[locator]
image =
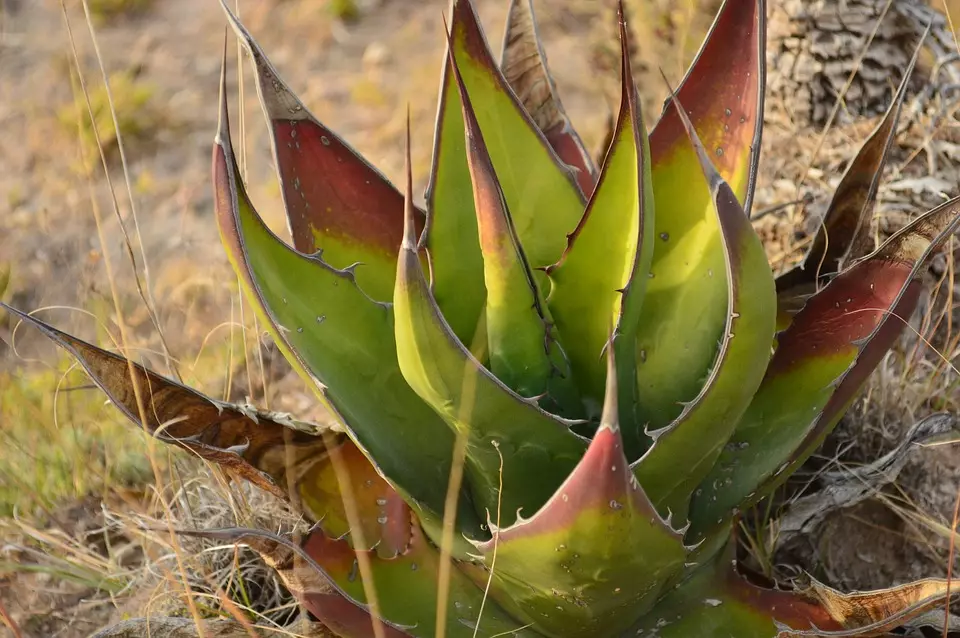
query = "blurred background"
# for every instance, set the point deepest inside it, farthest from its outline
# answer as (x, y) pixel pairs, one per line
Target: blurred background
(81, 490)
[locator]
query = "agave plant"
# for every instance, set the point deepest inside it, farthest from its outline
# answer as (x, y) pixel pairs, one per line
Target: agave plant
(559, 384)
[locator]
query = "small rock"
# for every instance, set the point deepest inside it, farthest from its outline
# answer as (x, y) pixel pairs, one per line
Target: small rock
(375, 55)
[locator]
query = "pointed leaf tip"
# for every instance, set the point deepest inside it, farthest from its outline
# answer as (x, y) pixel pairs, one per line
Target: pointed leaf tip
(335, 200)
(843, 234)
(278, 101)
(270, 450)
(222, 137)
(595, 556)
(628, 85)
(610, 417)
(409, 210)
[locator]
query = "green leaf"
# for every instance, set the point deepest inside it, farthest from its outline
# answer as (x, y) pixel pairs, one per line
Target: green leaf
(524, 66)
(602, 277)
(405, 585)
(339, 340)
(509, 438)
(383, 518)
(269, 449)
(523, 348)
(335, 201)
(684, 451)
(821, 362)
(685, 307)
(717, 603)
(539, 190)
(843, 234)
(597, 555)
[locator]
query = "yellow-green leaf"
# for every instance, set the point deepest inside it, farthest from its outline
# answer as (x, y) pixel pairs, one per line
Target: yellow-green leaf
(539, 190)
(685, 310)
(601, 280)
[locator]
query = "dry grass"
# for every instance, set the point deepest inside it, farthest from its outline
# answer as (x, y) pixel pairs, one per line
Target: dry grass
(61, 444)
(120, 548)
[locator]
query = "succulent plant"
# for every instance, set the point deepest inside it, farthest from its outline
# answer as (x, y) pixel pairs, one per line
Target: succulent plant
(559, 384)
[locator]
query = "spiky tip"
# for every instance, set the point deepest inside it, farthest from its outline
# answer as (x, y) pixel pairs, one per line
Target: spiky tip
(908, 72)
(622, 24)
(628, 87)
(455, 69)
(409, 223)
(223, 121)
(610, 417)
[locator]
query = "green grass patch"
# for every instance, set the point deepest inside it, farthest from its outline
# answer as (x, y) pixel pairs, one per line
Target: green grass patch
(346, 10)
(137, 118)
(62, 445)
(106, 10)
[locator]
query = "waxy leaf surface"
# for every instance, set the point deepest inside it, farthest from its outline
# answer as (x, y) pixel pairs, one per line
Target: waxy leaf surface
(383, 518)
(534, 449)
(539, 190)
(601, 278)
(522, 346)
(684, 451)
(597, 555)
(821, 362)
(685, 308)
(338, 338)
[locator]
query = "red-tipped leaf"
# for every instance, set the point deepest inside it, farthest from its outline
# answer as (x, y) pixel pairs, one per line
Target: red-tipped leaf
(821, 362)
(597, 555)
(335, 201)
(842, 235)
